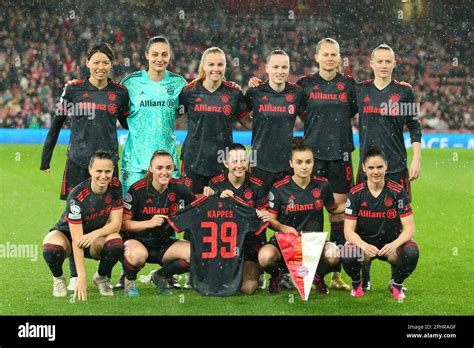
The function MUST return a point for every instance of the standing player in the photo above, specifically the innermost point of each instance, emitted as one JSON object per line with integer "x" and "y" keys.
{"x": 154, "y": 95}
{"x": 385, "y": 107}
{"x": 94, "y": 105}
{"x": 210, "y": 103}
{"x": 148, "y": 237}
{"x": 153, "y": 105}
{"x": 295, "y": 204}
{"x": 274, "y": 105}
{"x": 236, "y": 181}
{"x": 89, "y": 228}
{"x": 330, "y": 105}
{"x": 379, "y": 224}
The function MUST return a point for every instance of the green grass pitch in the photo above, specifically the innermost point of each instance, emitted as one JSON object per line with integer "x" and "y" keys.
{"x": 441, "y": 284}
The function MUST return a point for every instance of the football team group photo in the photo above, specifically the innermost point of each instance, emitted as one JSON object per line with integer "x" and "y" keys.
{"x": 236, "y": 158}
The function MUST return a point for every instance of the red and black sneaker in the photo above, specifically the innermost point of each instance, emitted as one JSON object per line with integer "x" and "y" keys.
{"x": 274, "y": 286}
{"x": 321, "y": 286}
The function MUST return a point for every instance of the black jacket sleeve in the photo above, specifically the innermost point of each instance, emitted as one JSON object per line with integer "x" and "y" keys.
{"x": 51, "y": 140}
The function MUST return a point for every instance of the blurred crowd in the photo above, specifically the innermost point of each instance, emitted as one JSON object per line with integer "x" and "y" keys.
{"x": 44, "y": 45}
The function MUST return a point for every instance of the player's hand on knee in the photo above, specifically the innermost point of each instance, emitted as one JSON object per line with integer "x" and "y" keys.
{"x": 86, "y": 240}
{"x": 81, "y": 289}
{"x": 227, "y": 193}
{"x": 370, "y": 249}
{"x": 208, "y": 191}
{"x": 254, "y": 82}
{"x": 157, "y": 220}
{"x": 388, "y": 249}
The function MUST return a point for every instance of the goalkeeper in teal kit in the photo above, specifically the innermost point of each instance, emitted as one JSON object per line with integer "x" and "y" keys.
{"x": 153, "y": 106}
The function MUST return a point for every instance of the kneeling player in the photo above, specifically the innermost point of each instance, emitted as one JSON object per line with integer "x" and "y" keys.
{"x": 148, "y": 237}
{"x": 295, "y": 204}
{"x": 379, "y": 224}
{"x": 90, "y": 224}
{"x": 236, "y": 181}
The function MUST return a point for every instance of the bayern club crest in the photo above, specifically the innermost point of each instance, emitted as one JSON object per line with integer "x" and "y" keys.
{"x": 319, "y": 204}
{"x": 227, "y": 110}
{"x": 187, "y": 182}
{"x": 340, "y": 86}
{"x": 108, "y": 199}
{"x": 291, "y": 109}
{"x": 174, "y": 207}
{"x": 394, "y": 98}
{"x": 343, "y": 97}
{"x": 225, "y": 98}
{"x": 388, "y": 202}
{"x": 112, "y": 108}
{"x": 172, "y": 196}
{"x": 170, "y": 90}
{"x": 302, "y": 271}
{"x": 316, "y": 193}
{"x": 391, "y": 214}
{"x": 290, "y": 97}
{"x": 112, "y": 96}
{"x": 248, "y": 194}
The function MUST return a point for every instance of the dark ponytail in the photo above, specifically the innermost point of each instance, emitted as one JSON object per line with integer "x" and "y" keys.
{"x": 298, "y": 144}
{"x": 374, "y": 151}
{"x": 102, "y": 48}
{"x": 100, "y": 154}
